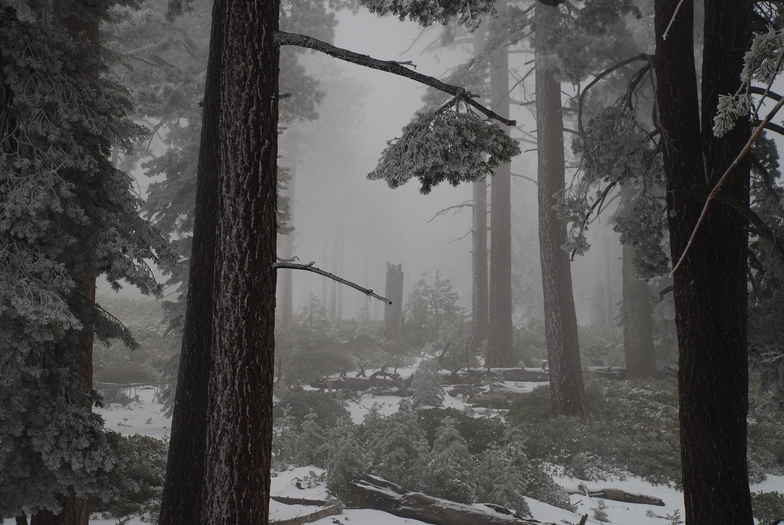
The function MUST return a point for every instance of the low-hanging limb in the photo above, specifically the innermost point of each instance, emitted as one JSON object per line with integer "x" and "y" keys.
{"x": 291, "y": 39}
{"x": 310, "y": 268}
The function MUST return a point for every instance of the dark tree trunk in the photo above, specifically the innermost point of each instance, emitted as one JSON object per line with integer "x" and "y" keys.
{"x": 75, "y": 511}
{"x": 637, "y": 321}
{"x": 239, "y": 424}
{"x": 393, "y": 313}
{"x": 499, "y": 334}
{"x": 181, "y": 501}
{"x": 479, "y": 321}
{"x": 710, "y": 286}
{"x": 563, "y": 347}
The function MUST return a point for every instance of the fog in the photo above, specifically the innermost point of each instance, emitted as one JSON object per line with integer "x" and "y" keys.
{"x": 352, "y": 227}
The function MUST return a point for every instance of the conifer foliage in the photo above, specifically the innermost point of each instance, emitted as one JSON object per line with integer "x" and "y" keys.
{"x": 66, "y": 216}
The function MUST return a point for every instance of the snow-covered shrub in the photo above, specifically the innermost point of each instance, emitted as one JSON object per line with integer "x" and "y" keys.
{"x": 398, "y": 449}
{"x": 427, "y": 385}
{"x": 448, "y": 475}
{"x": 346, "y": 459}
{"x": 478, "y": 432}
{"x": 499, "y": 481}
{"x": 768, "y": 507}
{"x": 310, "y": 442}
{"x": 299, "y": 403}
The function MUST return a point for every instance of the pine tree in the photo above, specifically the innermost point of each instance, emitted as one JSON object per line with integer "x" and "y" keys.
{"x": 346, "y": 459}
{"x": 66, "y": 216}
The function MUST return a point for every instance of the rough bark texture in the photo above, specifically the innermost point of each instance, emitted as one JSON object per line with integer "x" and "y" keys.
{"x": 499, "y": 334}
{"x": 710, "y": 286}
{"x": 181, "y": 500}
{"x": 393, "y": 313}
{"x": 560, "y": 320}
{"x": 239, "y": 424}
{"x": 637, "y": 321}
{"x": 479, "y": 294}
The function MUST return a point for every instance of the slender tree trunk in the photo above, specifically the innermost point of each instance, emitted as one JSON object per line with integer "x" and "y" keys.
{"x": 287, "y": 252}
{"x": 499, "y": 334}
{"x": 710, "y": 286}
{"x": 341, "y": 247}
{"x": 608, "y": 277}
{"x": 479, "y": 295}
{"x": 393, "y": 313}
{"x": 637, "y": 321}
{"x": 563, "y": 347}
{"x": 239, "y": 425}
{"x": 181, "y": 501}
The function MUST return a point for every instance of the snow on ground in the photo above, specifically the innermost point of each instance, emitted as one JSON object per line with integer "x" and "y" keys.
{"x": 144, "y": 416}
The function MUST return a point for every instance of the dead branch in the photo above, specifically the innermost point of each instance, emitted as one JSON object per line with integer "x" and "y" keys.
{"x": 290, "y": 39}
{"x": 458, "y": 207}
{"x": 723, "y": 179}
{"x": 310, "y": 268}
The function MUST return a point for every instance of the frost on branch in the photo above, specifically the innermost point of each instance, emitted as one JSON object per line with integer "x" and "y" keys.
{"x": 426, "y": 12}
{"x": 445, "y": 145}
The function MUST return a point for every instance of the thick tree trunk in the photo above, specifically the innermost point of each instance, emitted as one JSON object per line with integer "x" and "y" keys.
{"x": 181, "y": 501}
{"x": 499, "y": 334}
{"x": 239, "y": 424}
{"x": 563, "y": 347}
{"x": 393, "y": 313}
{"x": 710, "y": 285}
{"x": 479, "y": 321}
{"x": 637, "y": 321}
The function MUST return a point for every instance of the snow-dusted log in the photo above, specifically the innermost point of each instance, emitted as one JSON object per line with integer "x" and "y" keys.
{"x": 370, "y": 492}
{"x": 310, "y": 518}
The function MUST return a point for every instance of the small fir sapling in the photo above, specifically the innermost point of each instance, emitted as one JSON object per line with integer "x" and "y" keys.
{"x": 309, "y": 444}
{"x": 346, "y": 459}
{"x": 499, "y": 481}
{"x": 427, "y": 385}
{"x": 448, "y": 475}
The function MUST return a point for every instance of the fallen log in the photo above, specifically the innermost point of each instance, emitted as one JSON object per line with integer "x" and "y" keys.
{"x": 299, "y": 501}
{"x": 371, "y": 492}
{"x": 626, "y": 497}
{"x": 310, "y": 518}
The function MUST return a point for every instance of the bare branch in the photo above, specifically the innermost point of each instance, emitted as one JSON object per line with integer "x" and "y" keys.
{"x": 524, "y": 177}
{"x": 310, "y": 268}
{"x": 290, "y": 39}
{"x": 723, "y": 179}
{"x": 458, "y": 207}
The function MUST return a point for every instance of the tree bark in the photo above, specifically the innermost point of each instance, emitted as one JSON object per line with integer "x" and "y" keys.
{"x": 563, "y": 347}
{"x": 181, "y": 501}
{"x": 479, "y": 295}
{"x": 239, "y": 424}
{"x": 710, "y": 286}
{"x": 637, "y": 321}
{"x": 499, "y": 334}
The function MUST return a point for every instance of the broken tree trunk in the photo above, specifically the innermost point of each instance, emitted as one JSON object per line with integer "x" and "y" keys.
{"x": 370, "y": 492}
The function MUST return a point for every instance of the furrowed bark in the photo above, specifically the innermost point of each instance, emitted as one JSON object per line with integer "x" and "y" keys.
{"x": 239, "y": 426}
{"x": 637, "y": 308}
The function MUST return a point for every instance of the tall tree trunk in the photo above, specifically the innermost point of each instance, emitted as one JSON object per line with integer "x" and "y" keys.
{"x": 560, "y": 320}
{"x": 479, "y": 293}
{"x": 710, "y": 285}
{"x": 181, "y": 501}
{"x": 637, "y": 321}
{"x": 239, "y": 424}
{"x": 499, "y": 334}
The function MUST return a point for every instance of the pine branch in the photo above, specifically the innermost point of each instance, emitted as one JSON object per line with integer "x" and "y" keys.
{"x": 310, "y": 268}
{"x": 290, "y": 39}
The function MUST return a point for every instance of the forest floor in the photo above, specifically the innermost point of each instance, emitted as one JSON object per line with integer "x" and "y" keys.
{"x": 144, "y": 416}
